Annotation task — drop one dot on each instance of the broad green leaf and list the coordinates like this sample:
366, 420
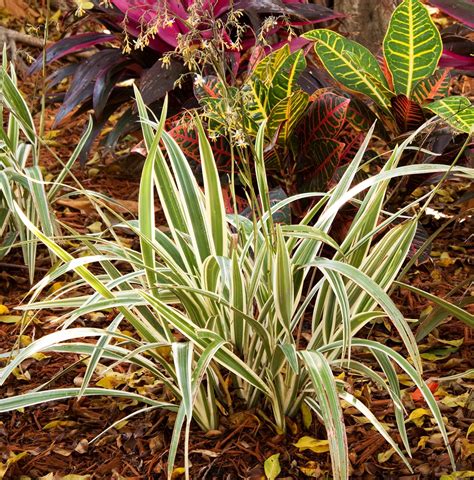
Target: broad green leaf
456, 111
351, 64
412, 46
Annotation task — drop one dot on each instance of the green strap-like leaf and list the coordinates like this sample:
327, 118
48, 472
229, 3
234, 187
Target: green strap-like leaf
412, 46
457, 111
351, 64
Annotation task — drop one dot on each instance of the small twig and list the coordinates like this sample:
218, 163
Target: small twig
6, 34
21, 267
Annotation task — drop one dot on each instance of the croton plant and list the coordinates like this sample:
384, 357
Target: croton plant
311, 134
136, 42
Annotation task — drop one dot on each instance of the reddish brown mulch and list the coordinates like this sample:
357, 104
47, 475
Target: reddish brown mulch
138, 450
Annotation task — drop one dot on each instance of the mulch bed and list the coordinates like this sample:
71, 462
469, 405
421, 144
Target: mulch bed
55, 439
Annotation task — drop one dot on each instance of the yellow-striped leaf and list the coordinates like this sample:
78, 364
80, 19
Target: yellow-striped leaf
351, 64
286, 114
456, 111
434, 87
412, 46
284, 81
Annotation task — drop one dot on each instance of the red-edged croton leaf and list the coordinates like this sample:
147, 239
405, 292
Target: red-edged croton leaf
352, 141
187, 138
317, 164
69, 45
385, 70
241, 202
360, 116
324, 119
208, 87
432, 88
408, 114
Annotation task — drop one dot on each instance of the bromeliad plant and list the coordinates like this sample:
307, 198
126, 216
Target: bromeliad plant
216, 302
406, 86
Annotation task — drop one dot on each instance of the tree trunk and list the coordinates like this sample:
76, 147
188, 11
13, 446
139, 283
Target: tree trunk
366, 21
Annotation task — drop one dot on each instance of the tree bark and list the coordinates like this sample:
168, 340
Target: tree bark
366, 21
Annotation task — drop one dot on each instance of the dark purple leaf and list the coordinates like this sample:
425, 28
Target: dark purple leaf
305, 12
158, 80
313, 79
280, 216
82, 84
66, 46
421, 236
60, 74
106, 82
127, 123
459, 62
461, 10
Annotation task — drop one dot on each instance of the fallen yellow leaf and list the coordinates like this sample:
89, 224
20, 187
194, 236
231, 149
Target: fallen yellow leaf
417, 416
385, 456
3, 309
455, 401
177, 472
112, 380
11, 459
59, 423
313, 444
272, 466
10, 318
422, 441
455, 475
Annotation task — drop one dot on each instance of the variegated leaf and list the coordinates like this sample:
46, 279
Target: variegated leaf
432, 88
255, 97
412, 46
286, 114
285, 78
456, 111
351, 64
